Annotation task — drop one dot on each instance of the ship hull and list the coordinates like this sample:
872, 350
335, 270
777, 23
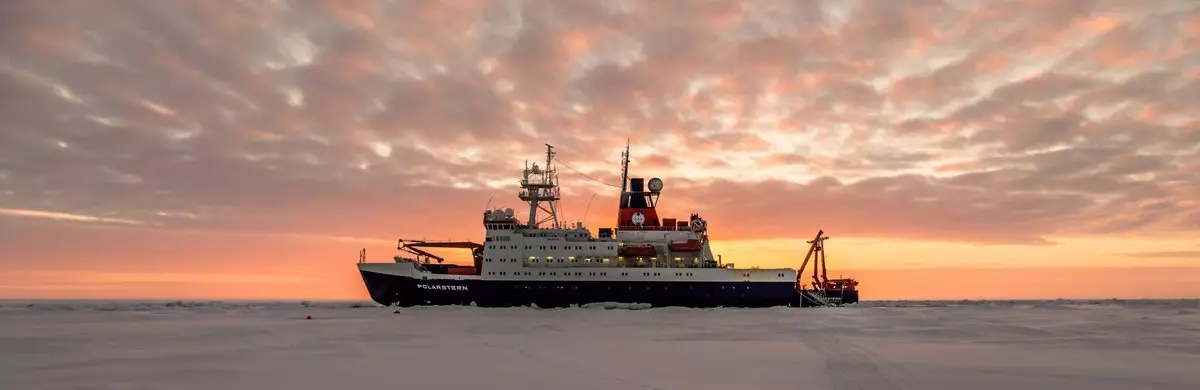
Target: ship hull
389, 289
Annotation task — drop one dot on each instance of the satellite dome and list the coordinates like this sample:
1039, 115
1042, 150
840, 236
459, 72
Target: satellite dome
655, 184
638, 218
508, 212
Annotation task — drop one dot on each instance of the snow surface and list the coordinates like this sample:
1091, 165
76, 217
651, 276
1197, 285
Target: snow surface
879, 345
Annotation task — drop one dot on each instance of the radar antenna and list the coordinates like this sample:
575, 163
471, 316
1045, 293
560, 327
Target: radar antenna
539, 187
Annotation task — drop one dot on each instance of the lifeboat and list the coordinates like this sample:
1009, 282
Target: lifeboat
638, 250
691, 245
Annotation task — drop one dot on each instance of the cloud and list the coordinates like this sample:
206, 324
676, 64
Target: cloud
64, 216
983, 121
1168, 254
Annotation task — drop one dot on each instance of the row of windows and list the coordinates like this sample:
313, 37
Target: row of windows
572, 259
547, 247
553, 273
748, 275
676, 274
600, 273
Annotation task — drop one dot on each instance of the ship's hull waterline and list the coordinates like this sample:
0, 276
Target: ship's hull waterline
396, 290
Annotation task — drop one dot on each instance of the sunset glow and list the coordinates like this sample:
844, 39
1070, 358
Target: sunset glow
952, 149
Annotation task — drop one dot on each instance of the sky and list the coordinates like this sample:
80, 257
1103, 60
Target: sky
249, 149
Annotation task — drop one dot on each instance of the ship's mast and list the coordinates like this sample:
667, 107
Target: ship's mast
625, 166
623, 198
539, 187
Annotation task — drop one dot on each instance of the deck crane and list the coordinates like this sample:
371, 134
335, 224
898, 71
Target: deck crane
411, 246
821, 283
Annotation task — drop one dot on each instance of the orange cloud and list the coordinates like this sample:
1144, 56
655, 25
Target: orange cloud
1003, 122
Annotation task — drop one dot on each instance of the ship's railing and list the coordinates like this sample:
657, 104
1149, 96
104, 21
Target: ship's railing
656, 228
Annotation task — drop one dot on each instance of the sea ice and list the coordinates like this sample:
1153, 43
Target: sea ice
1091, 345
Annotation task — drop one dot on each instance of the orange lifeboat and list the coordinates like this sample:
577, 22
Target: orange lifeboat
691, 245
637, 250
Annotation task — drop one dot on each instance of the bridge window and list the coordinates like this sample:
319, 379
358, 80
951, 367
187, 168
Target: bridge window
604, 274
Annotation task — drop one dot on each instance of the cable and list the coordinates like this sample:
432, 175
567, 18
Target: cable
583, 174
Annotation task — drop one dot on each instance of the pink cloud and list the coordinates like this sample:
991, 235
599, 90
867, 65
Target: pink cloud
1004, 121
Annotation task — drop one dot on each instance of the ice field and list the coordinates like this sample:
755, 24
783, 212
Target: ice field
1090, 345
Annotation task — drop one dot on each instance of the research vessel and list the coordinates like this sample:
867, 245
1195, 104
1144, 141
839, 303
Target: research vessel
537, 260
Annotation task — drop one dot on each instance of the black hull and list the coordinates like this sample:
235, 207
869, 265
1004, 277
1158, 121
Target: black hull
391, 290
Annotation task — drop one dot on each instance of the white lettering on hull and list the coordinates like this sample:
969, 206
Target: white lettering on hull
441, 287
